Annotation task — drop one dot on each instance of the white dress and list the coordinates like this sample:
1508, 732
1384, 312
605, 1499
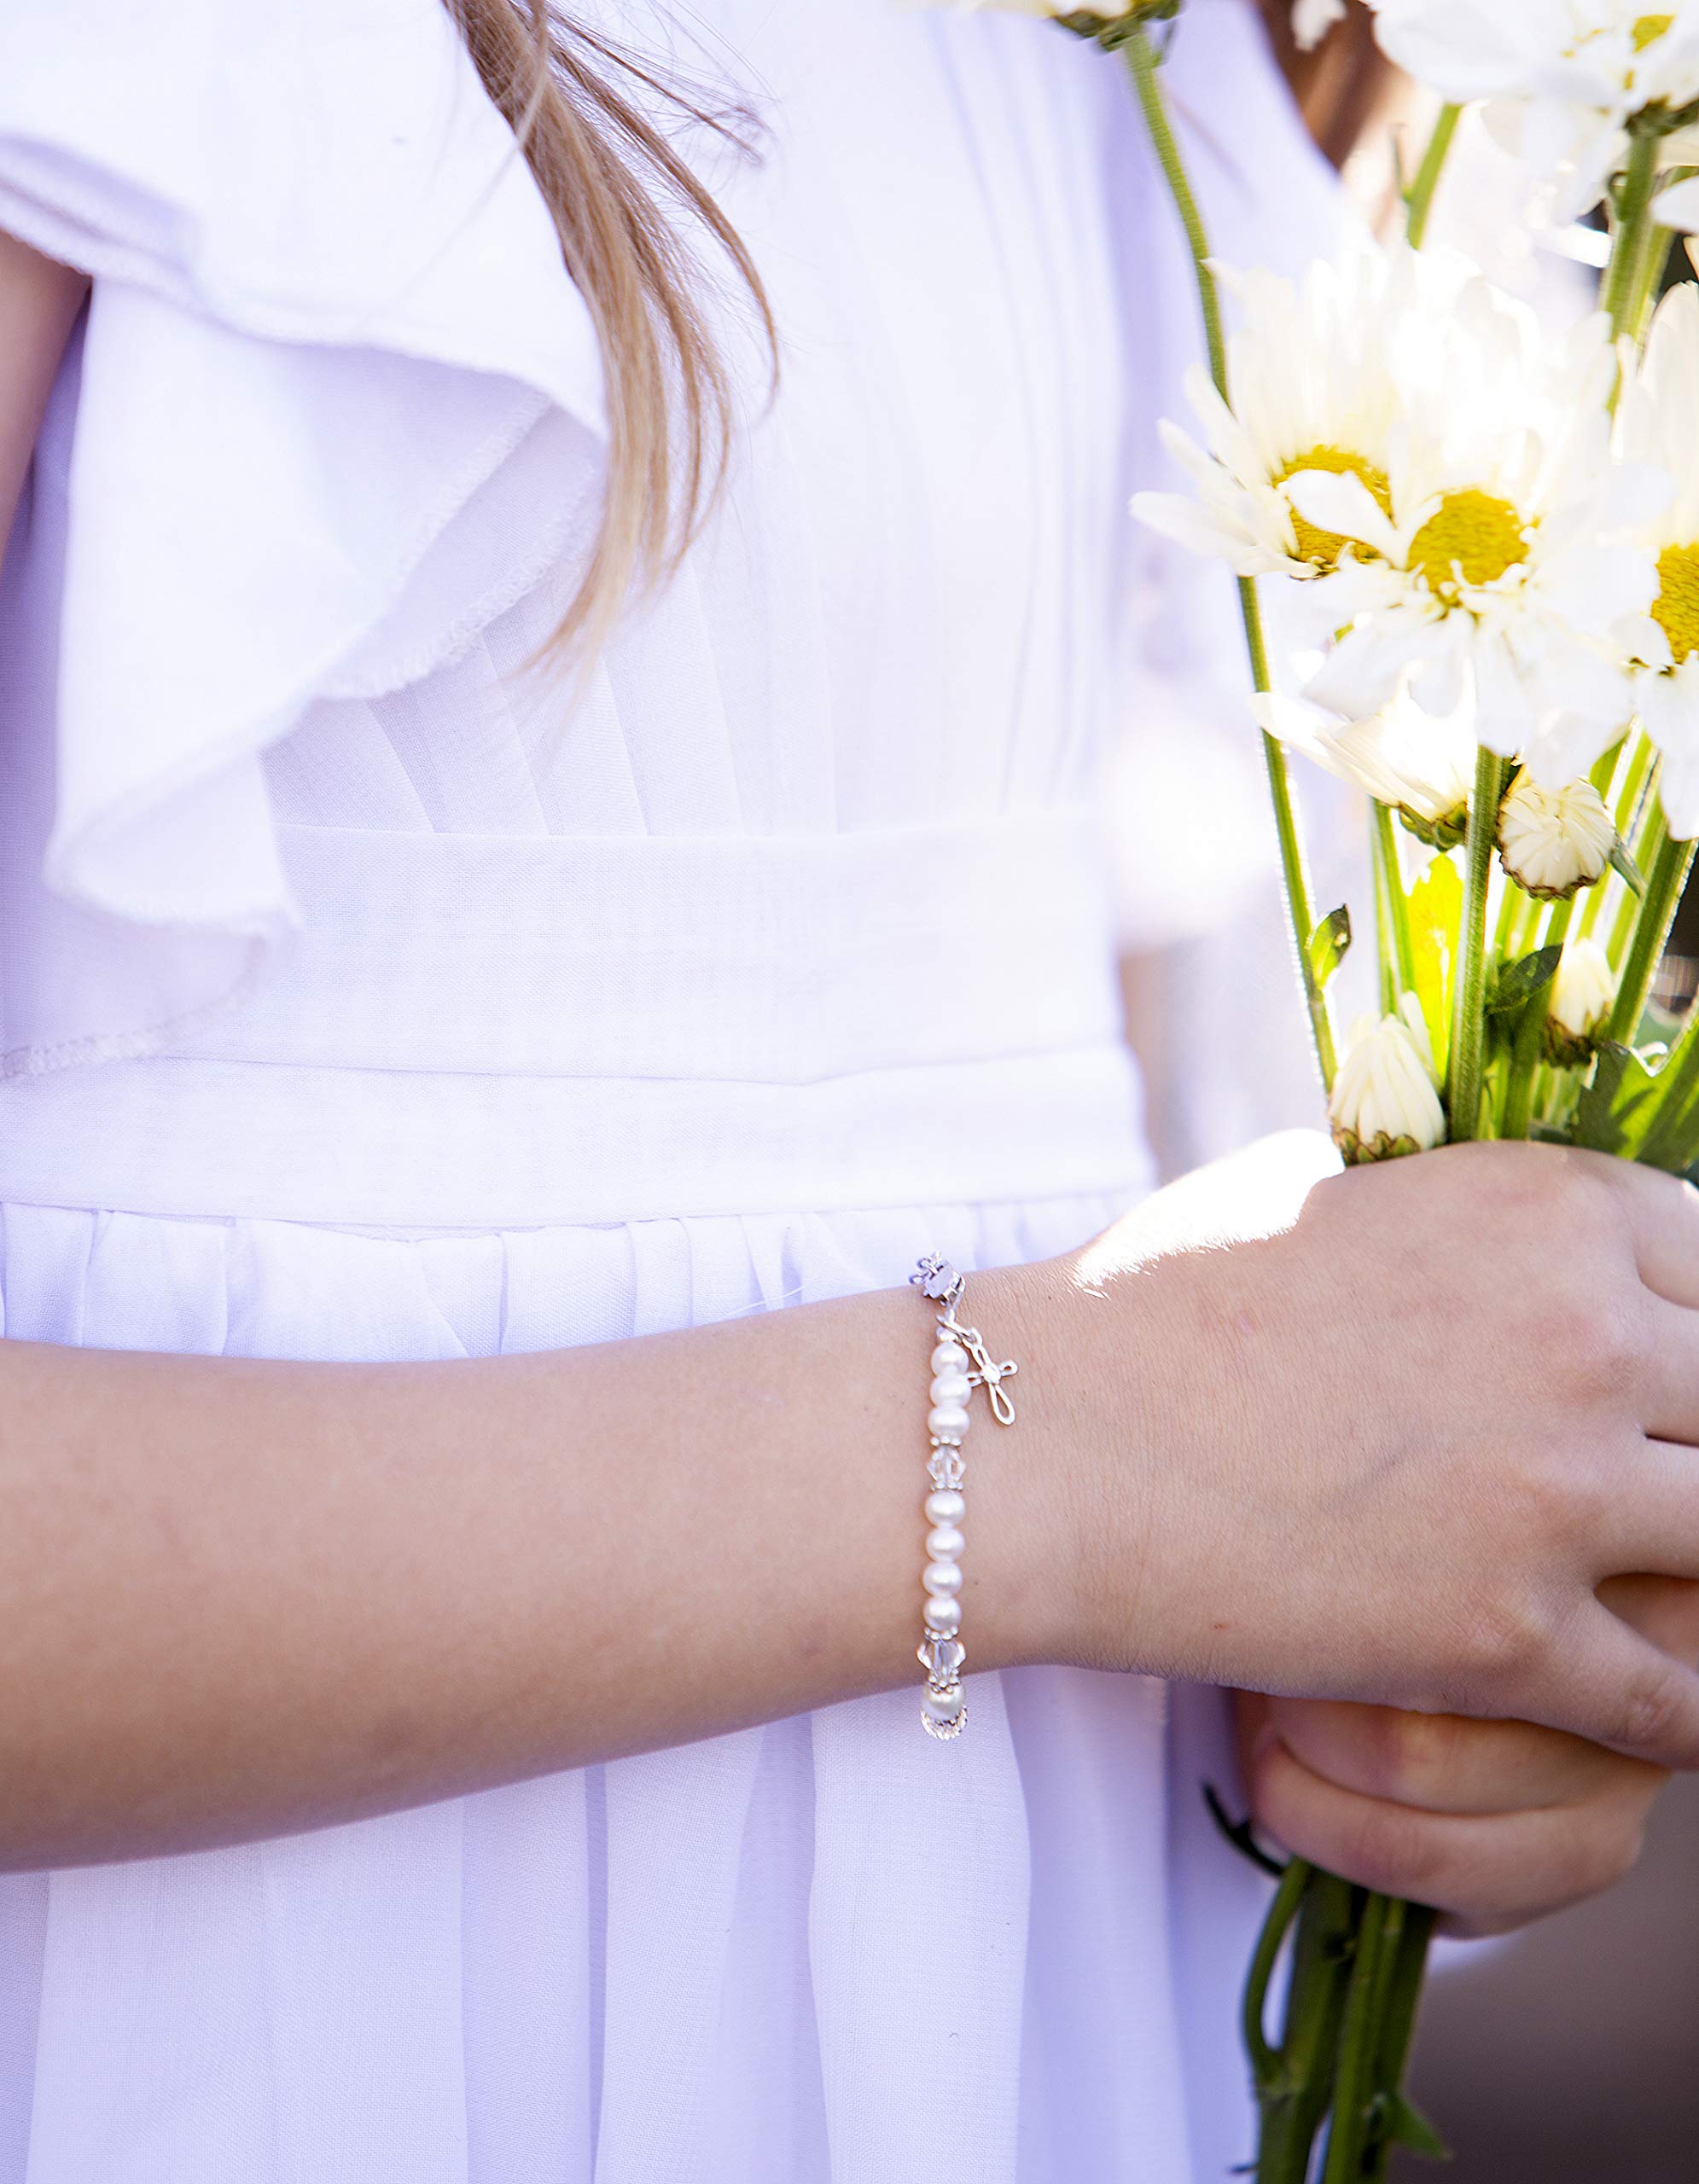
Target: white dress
360, 999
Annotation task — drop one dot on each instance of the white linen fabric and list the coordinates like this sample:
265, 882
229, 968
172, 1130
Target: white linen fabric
363, 996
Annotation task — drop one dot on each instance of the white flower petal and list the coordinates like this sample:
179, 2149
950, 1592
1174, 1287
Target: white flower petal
1339, 501
1677, 207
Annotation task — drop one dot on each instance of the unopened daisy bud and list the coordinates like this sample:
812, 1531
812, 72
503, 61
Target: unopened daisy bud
1386, 1098
1582, 996
1553, 841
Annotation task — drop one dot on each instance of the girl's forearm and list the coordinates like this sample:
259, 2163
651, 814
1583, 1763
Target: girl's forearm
241, 1598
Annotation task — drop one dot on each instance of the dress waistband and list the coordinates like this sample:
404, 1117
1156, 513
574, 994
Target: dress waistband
481, 1031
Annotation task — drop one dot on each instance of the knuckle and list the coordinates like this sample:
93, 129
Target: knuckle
1504, 1639
1591, 1340
1580, 1193
1406, 1754
1655, 1713
1605, 1349
1547, 1189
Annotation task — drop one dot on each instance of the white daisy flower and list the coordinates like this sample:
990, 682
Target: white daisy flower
1422, 768
1500, 574
1553, 841
1385, 1097
1660, 425
1318, 373
1563, 80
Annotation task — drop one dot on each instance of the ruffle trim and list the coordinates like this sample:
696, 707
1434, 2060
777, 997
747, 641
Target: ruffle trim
335, 401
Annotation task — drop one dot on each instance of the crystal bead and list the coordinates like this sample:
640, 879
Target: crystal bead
946, 1467
941, 1659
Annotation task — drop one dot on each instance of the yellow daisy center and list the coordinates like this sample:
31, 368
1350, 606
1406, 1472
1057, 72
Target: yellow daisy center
1324, 548
1472, 536
1647, 27
1676, 608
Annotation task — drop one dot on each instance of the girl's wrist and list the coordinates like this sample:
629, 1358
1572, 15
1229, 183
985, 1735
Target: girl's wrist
1060, 1535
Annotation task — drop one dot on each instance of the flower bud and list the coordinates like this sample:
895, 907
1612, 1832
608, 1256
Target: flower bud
1582, 994
1386, 1098
1553, 841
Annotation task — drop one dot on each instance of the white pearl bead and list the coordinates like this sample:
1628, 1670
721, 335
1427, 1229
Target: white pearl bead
947, 1421
942, 1579
950, 1387
945, 1544
943, 1705
944, 1615
947, 1507
949, 1357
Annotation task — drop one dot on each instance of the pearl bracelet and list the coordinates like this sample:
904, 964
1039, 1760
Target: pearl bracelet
944, 1712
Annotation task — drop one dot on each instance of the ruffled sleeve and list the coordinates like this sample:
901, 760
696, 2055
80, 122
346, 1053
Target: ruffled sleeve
334, 398
1189, 750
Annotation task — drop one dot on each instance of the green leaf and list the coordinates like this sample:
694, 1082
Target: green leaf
1622, 862
1618, 1107
1329, 943
1407, 2126
1435, 912
1522, 980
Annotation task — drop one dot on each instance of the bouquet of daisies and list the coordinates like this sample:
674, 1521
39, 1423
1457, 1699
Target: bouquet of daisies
1483, 546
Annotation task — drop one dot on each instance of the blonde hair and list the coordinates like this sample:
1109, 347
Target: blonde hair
616, 188
623, 203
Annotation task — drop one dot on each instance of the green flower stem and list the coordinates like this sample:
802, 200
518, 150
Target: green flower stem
1385, 973
1142, 59
1355, 2089
1397, 901
1525, 1054
1634, 775
1419, 199
1142, 56
1604, 769
1656, 244
1294, 2106
1647, 848
1469, 1020
1398, 2022
1288, 1902
1622, 293
1511, 904
1664, 883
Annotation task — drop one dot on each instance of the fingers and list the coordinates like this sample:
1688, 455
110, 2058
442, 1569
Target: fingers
1621, 1690
1447, 1763
1651, 1524
1487, 1874
1666, 1372
1663, 1215
1666, 1610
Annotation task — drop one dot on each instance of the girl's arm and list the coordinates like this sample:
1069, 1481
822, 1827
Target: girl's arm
1373, 1436
1378, 1438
